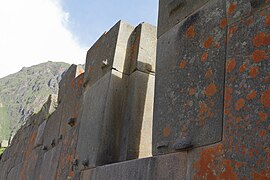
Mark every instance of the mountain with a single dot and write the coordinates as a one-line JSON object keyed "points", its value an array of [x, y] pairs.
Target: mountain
{"points": [[24, 93]]}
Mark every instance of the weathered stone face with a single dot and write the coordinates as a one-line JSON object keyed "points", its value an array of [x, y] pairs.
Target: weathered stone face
{"points": [[189, 82], [109, 52], [142, 49], [211, 102], [136, 134], [172, 12], [100, 120]]}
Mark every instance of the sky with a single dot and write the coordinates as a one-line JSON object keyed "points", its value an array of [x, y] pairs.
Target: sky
{"points": [[36, 31]]}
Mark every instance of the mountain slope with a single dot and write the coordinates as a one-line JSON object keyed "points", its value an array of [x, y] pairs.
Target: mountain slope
{"points": [[24, 93]]}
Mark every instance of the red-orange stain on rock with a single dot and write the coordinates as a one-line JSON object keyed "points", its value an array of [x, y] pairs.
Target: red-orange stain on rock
{"points": [[242, 68], [211, 160], [231, 8], [204, 56], [203, 107], [263, 116], [228, 94], [209, 73], [211, 89], [166, 132], [208, 42], [223, 23], [191, 91], [265, 98], [261, 39], [183, 64], [262, 175], [250, 21], [251, 95], [259, 55], [230, 65], [190, 33], [254, 71], [232, 30], [262, 133], [240, 104], [267, 20]]}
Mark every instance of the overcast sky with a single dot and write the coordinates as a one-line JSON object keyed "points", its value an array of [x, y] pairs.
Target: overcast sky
{"points": [[35, 31]]}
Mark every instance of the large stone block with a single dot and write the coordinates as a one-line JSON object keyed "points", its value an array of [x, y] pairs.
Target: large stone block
{"points": [[67, 161], [189, 82], [172, 166], [51, 131], [142, 49], [32, 164], [71, 105], [241, 9], [109, 52], [172, 12], [65, 85], [40, 134], [98, 141], [136, 135], [50, 163], [244, 151]]}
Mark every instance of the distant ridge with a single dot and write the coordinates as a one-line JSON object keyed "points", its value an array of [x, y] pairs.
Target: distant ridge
{"points": [[24, 93]]}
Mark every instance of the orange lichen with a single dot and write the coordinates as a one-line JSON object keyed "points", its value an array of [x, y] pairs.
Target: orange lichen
{"points": [[209, 73], [230, 65], [254, 71], [262, 133], [208, 42], [183, 64], [267, 20], [263, 116], [250, 21], [261, 39], [204, 56], [228, 94], [251, 95], [191, 91], [263, 175], [210, 163], [203, 107], [265, 98], [190, 33], [242, 68], [232, 30], [259, 55], [231, 8], [211, 90], [166, 132], [223, 23], [240, 104]]}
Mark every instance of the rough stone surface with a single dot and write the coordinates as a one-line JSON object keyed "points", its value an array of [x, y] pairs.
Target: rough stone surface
{"points": [[237, 10], [142, 49], [40, 134], [171, 12], [189, 81], [101, 111], [51, 130], [110, 51], [136, 134], [49, 163], [211, 103], [172, 166]]}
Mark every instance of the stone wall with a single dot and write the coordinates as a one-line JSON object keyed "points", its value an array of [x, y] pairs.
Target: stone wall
{"points": [[195, 107]]}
